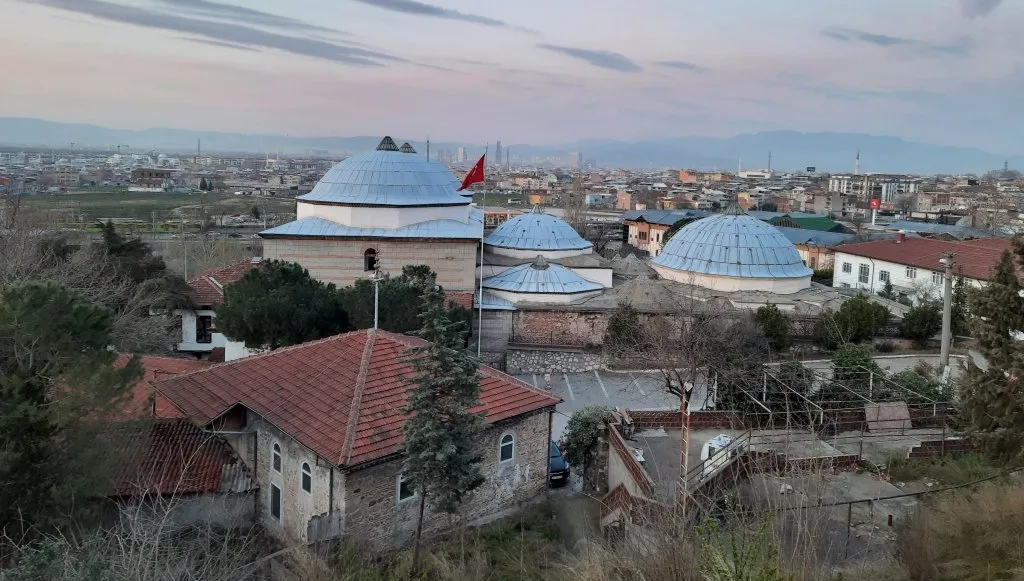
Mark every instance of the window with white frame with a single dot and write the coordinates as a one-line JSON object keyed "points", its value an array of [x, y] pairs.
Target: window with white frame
{"points": [[847, 267], [506, 448], [936, 278], [863, 273], [275, 502], [883, 275], [911, 272], [404, 491], [307, 478], [276, 458]]}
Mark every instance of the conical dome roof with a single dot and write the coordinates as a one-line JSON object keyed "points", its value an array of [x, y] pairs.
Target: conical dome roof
{"points": [[536, 230], [388, 176], [732, 244], [540, 276]]}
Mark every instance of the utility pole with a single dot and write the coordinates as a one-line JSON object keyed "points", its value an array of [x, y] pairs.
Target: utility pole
{"points": [[376, 278], [947, 309]]}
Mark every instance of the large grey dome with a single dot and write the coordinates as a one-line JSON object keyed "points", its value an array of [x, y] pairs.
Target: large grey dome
{"points": [[732, 244], [536, 230], [387, 177]]}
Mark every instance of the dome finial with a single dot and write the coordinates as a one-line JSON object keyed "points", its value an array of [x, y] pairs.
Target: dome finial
{"points": [[536, 209], [540, 263], [387, 144], [406, 148], [734, 209]]}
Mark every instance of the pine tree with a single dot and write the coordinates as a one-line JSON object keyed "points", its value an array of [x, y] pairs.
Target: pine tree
{"points": [[993, 399], [441, 459], [58, 383], [888, 292]]}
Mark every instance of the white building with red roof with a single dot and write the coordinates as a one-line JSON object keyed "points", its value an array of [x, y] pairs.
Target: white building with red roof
{"points": [[912, 264], [199, 335], [320, 424]]}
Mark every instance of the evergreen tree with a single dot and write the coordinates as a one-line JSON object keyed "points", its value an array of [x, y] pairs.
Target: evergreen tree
{"points": [[441, 456], [922, 322], [960, 313], [202, 184], [775, 326], [403, 296], [888, 292], [256, 214], [280, 304], [857, 320], [58, 384], [993, 399]]}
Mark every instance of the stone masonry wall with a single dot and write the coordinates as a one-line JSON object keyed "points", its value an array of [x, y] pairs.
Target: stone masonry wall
{"points": [[375, 517], [341, 261], [519, 361], [559, 327], [297, 506]]}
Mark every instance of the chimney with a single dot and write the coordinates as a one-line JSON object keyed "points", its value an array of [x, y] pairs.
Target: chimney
{"points": [[900, 237]]}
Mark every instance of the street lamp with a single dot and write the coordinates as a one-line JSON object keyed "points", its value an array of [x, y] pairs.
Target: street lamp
{"points": [[376, 277]]}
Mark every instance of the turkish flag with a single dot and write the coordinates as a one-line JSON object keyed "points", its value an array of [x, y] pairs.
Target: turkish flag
{"points": [[475, 175]]}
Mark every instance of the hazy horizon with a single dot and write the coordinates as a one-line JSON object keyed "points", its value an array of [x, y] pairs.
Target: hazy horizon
{"points": [[944, 72]]}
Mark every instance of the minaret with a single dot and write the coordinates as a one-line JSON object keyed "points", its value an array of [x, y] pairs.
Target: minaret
{"points": [[856, 164]]}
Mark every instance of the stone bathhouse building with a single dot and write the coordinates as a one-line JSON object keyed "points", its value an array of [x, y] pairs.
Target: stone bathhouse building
{"points": [[319, 425]]}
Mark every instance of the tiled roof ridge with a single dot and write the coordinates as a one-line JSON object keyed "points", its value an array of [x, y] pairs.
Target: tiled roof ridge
{"points": [[345, 454], [270, 353]]}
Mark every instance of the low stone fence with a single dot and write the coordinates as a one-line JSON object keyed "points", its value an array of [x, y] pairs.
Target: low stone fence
{"points": [[521, 359], [700, 420], [932, 449]]}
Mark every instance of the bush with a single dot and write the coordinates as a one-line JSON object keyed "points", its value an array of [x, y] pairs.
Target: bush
{"points": [[823, 276], [582, 432], [857, 320], [922, 322], [775, 326], [625, 332]]}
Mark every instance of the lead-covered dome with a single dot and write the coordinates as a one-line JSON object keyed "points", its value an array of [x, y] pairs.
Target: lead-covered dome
{"points": [[733, 251], [388, 176], [535, 232]]}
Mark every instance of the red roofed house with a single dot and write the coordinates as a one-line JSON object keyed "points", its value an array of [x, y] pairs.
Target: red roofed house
{"points": [[199, 334], [161, 454], [912, 264], [320, 425]]}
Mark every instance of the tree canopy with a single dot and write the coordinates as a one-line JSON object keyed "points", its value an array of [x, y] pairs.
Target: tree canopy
{"points": [[922, 322], [280, 304], [440, 447], [775, 325], [993, 398], [857, 320], [58, 385], [401, 301]]}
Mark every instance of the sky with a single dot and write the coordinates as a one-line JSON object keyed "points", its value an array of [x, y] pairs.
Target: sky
{"points": [[543, 72]]}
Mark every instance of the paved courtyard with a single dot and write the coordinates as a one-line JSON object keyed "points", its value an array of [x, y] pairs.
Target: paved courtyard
{"points": [[631, 390]]}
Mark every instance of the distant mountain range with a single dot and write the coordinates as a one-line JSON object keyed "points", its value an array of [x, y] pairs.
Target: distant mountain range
{"points": [[790, 150]]}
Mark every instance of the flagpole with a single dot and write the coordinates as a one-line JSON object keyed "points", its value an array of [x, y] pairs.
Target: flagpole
{"points": [[483, 228]]}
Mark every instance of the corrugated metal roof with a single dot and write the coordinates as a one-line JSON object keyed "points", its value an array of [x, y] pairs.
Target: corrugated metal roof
{"points": [[387, 178], [732, 244], [493, 303], [317, 227], [536, 230], [540, 276], [815, 237]]}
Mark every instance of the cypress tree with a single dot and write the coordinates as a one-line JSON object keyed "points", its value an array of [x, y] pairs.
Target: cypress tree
{"points": [[993, 398], [441, 461]]}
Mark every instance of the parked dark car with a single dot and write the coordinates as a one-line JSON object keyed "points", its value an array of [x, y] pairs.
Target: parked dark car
{"points": [[558, 468]]}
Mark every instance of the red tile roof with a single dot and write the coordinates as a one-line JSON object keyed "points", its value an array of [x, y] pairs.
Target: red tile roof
{"points": [[462, 298], [145, 402], [173, 456], [341, 397], [208, 287], [973, 258]]}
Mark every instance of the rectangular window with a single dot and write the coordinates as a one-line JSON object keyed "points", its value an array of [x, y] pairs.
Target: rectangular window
{"points": [[936, 278], [204, 329], [643, 236], [847, 267], [883, 275], [863, 273], [911, 272], [275, 502], [405, 492]]}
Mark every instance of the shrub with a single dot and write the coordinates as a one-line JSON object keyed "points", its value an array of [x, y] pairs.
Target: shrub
{"points": [[922, 322], [775, 326], [857, 320], [582, 432]]}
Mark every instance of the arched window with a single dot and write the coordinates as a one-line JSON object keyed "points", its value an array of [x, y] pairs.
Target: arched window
{"points": [[507, 448], [307, 478], [277, 458], [370, 259]]}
